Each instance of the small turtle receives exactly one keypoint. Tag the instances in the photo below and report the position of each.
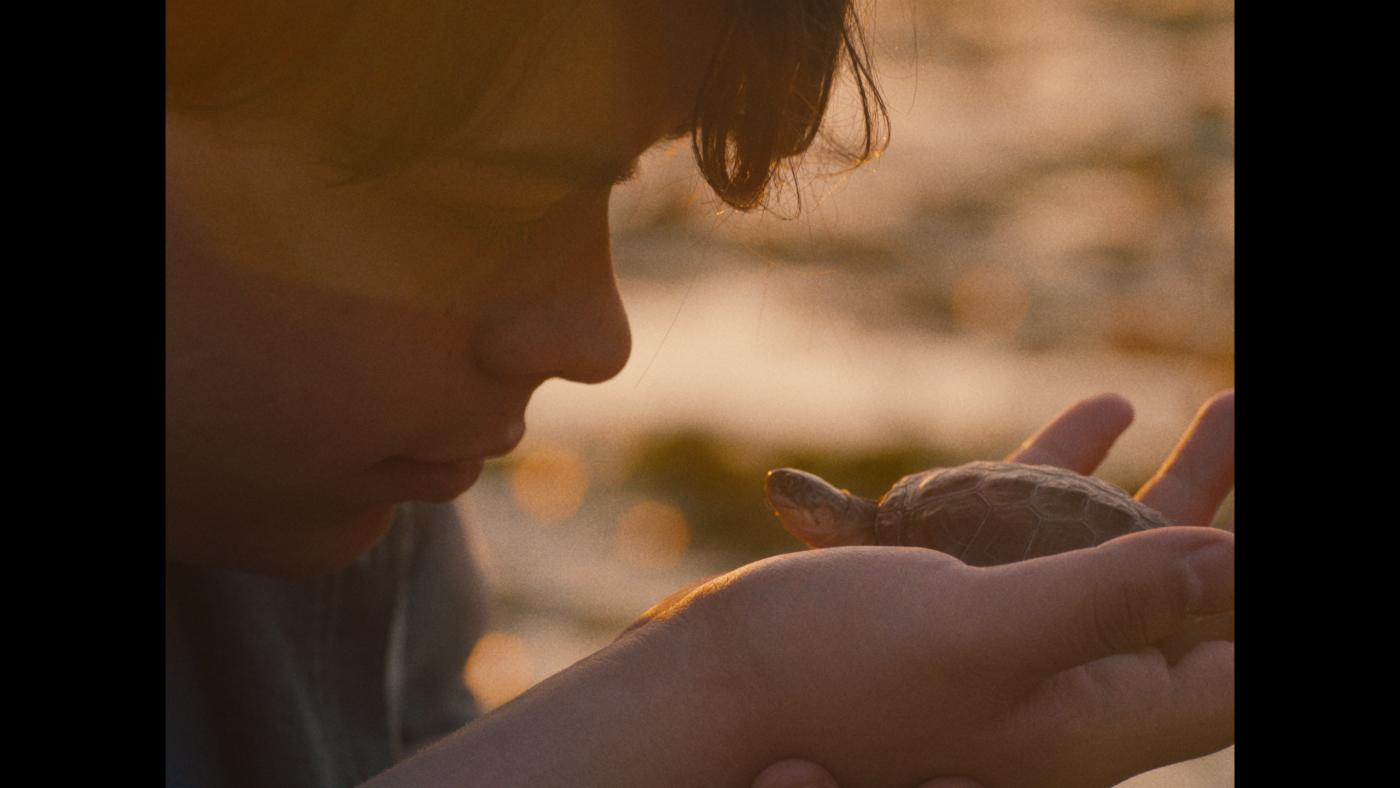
(985, 513)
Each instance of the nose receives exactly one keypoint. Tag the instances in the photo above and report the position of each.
(565, 318)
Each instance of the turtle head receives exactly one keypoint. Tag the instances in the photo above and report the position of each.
(816, 512)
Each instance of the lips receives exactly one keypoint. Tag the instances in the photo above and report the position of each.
(509, 439)
(423, 478)
(514, 432)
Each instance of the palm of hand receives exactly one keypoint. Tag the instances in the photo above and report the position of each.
(1172, 682)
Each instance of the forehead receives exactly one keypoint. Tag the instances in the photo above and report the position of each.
(606, 83)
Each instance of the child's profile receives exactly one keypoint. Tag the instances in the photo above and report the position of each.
(386, 228)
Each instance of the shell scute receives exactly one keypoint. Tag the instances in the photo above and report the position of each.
(1003, 540)
(1058, 536)
(954, 480)
(1059, 502)
(1006, 490)
(990, 513)
(956, 521)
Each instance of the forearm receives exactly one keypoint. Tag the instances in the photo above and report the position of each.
(657, 707)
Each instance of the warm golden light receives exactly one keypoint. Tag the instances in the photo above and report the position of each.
(652, 535)
(548, 484)
(499, 668)
(1141, 324)
(990, 299)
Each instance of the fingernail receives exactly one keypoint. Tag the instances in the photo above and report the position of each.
(1212, 579)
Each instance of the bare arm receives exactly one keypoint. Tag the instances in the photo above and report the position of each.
(887, 665)
(893, 665)
(660, 706)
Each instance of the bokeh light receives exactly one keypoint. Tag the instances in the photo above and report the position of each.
(1054, 219)
(549, 484)
(652, 535)
(1141, 324)
(990, 299)
(499, 668)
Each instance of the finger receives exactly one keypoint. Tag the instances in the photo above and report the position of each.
(1195, 479)
(1080, 437)
(794, 773)
(1050, 614)
(1103, 722)
(1220, 627)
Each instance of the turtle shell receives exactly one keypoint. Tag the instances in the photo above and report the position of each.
(990, 513)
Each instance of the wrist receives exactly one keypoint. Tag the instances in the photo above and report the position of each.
(706, 648)
(669, 703)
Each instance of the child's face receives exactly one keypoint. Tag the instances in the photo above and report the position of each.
(335, 350)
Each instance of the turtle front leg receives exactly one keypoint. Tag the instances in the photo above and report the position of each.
(818, 513)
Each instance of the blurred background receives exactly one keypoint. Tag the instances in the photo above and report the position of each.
(1053, 219)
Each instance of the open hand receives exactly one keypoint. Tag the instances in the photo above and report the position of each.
(890, 665)
(1166, 698)
(1188, 488)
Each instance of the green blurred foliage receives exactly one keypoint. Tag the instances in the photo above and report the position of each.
(721, 491)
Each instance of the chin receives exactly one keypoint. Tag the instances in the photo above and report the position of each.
(298, 549)
(364, 532)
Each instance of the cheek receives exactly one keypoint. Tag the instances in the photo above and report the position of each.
(284, 382)
(288, 387)
(269, 428)
(374, 244)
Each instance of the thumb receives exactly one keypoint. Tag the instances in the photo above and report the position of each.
(1073, 608)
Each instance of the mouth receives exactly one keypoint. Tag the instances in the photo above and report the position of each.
(780, 485)
(443, 480)
(515, 431)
